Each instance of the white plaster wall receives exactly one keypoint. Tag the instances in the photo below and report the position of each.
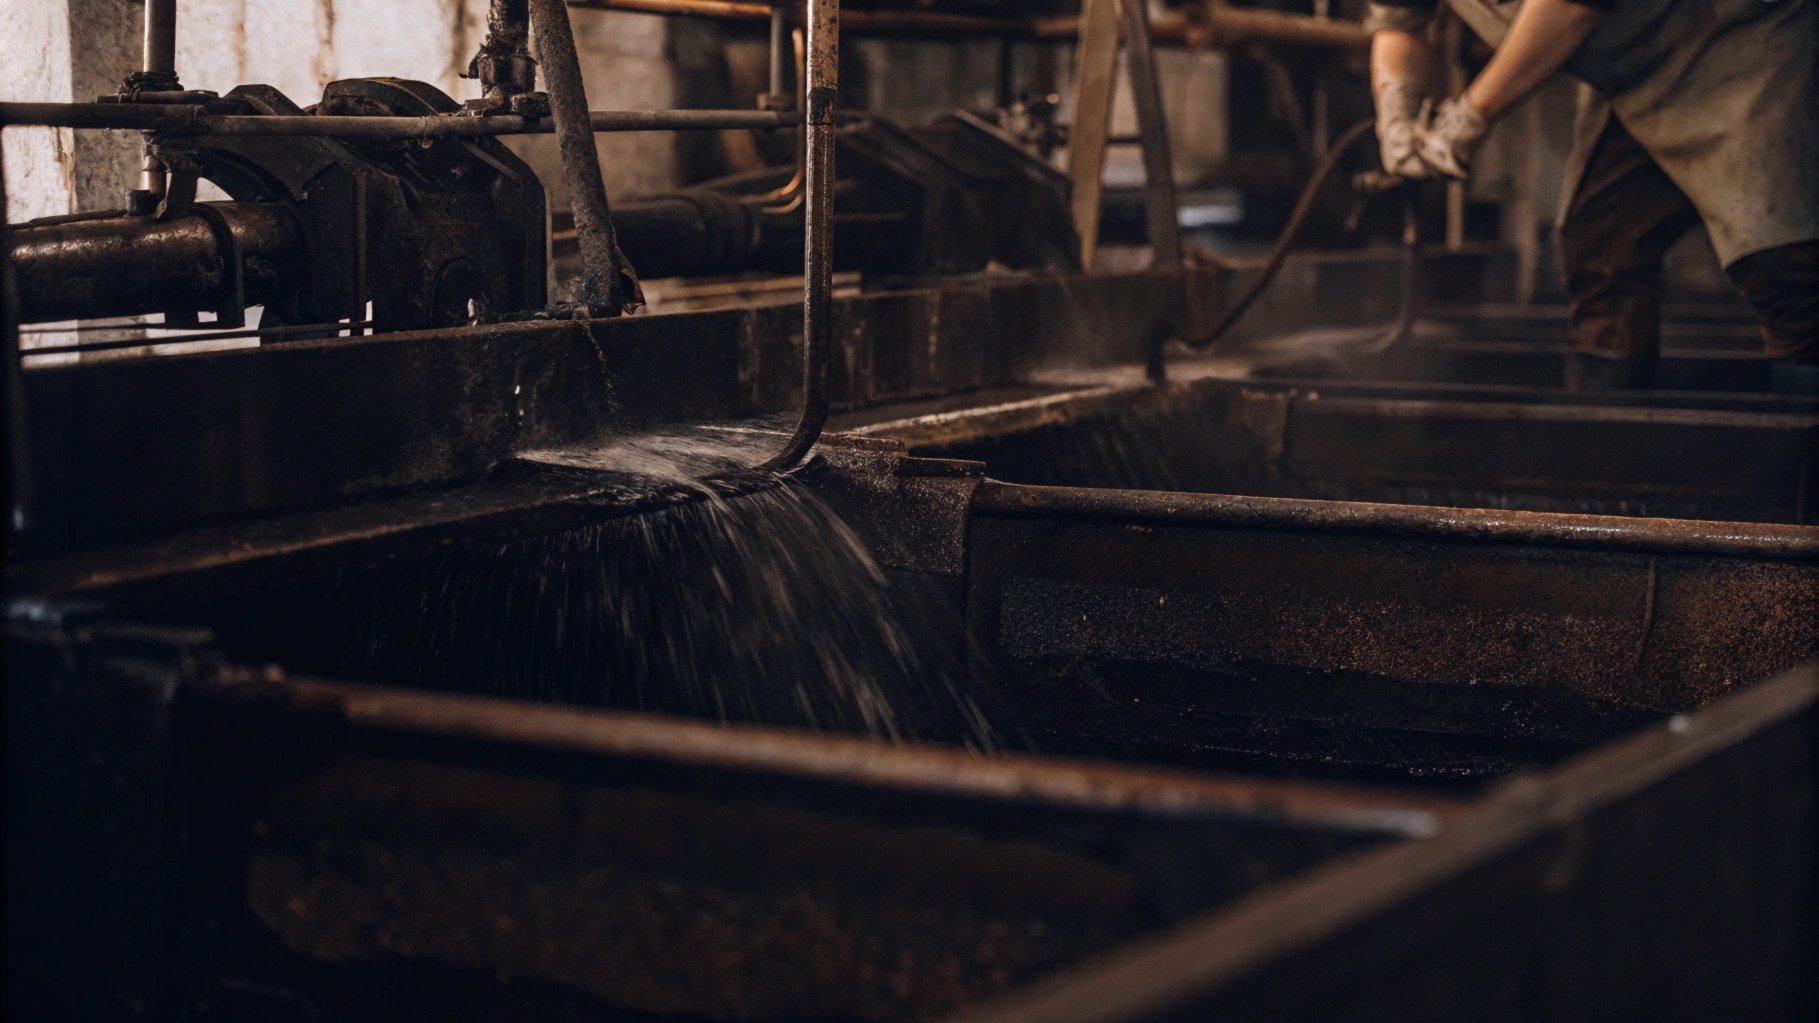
(57, 52)
(64, 50)
(299, 46)
(34, 50)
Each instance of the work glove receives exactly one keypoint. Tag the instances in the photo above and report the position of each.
(1447, 136)
(1397, 105)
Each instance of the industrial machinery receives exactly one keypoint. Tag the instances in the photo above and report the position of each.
(317, 229)
(454, 231)
(952, 647)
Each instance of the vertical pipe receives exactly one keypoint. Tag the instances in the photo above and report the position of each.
(1007, 73)
(160, 57)
(603, 286)
(18, 474)
(1322, 128)
(780, 51)
(818, 229)
(157, 73)
(1455, 84)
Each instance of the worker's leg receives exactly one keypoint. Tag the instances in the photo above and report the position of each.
(1782, 286)
(1622, 220)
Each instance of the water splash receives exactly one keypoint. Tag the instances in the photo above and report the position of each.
(763, 608)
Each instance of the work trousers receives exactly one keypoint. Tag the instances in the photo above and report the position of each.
(1622, 220)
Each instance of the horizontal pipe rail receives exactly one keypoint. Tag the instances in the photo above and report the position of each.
(1021, 778)
(1751, 541)
(196, 120)
(1223, 26)
(315, 330)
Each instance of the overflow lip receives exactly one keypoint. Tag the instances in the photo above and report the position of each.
(222, 559)
(1607, 533)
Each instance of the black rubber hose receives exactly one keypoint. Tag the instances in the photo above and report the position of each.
(1286, 240)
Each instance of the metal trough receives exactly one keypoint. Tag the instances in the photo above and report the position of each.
(246, 845)
(1441, 446)
(366, 852)
(192, 833)
(1704, 350)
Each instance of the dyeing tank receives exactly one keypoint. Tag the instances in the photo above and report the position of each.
(1308, 645)
(1402, 444)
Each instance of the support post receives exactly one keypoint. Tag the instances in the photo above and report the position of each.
(1095, 82)
(1152, 129)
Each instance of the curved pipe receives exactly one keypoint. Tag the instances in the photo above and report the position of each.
(818, 230)
(791, 193)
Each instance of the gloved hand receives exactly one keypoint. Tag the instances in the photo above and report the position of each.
(1447, 136)
(1397, 104)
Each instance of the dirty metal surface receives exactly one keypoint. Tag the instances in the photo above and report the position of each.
(1472, 450)
(1531, 364)
(911, 512)
(610, 866)
(1704, 349)
(1412, 645)
(1607, 888)
(224, 559)
(133, 447)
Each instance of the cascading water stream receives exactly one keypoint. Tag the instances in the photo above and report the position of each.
(762, 608)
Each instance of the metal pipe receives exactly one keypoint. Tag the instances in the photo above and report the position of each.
(603, 285)
(160, 55)
(157, 74)
(122, 265)
(18, 460)
(780, 51)
(1226, 26)
(1761, 542)
(311, 330)
(818, 230)
(1220, 27)
(791, 191)
(195, 120)
(725, 10)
